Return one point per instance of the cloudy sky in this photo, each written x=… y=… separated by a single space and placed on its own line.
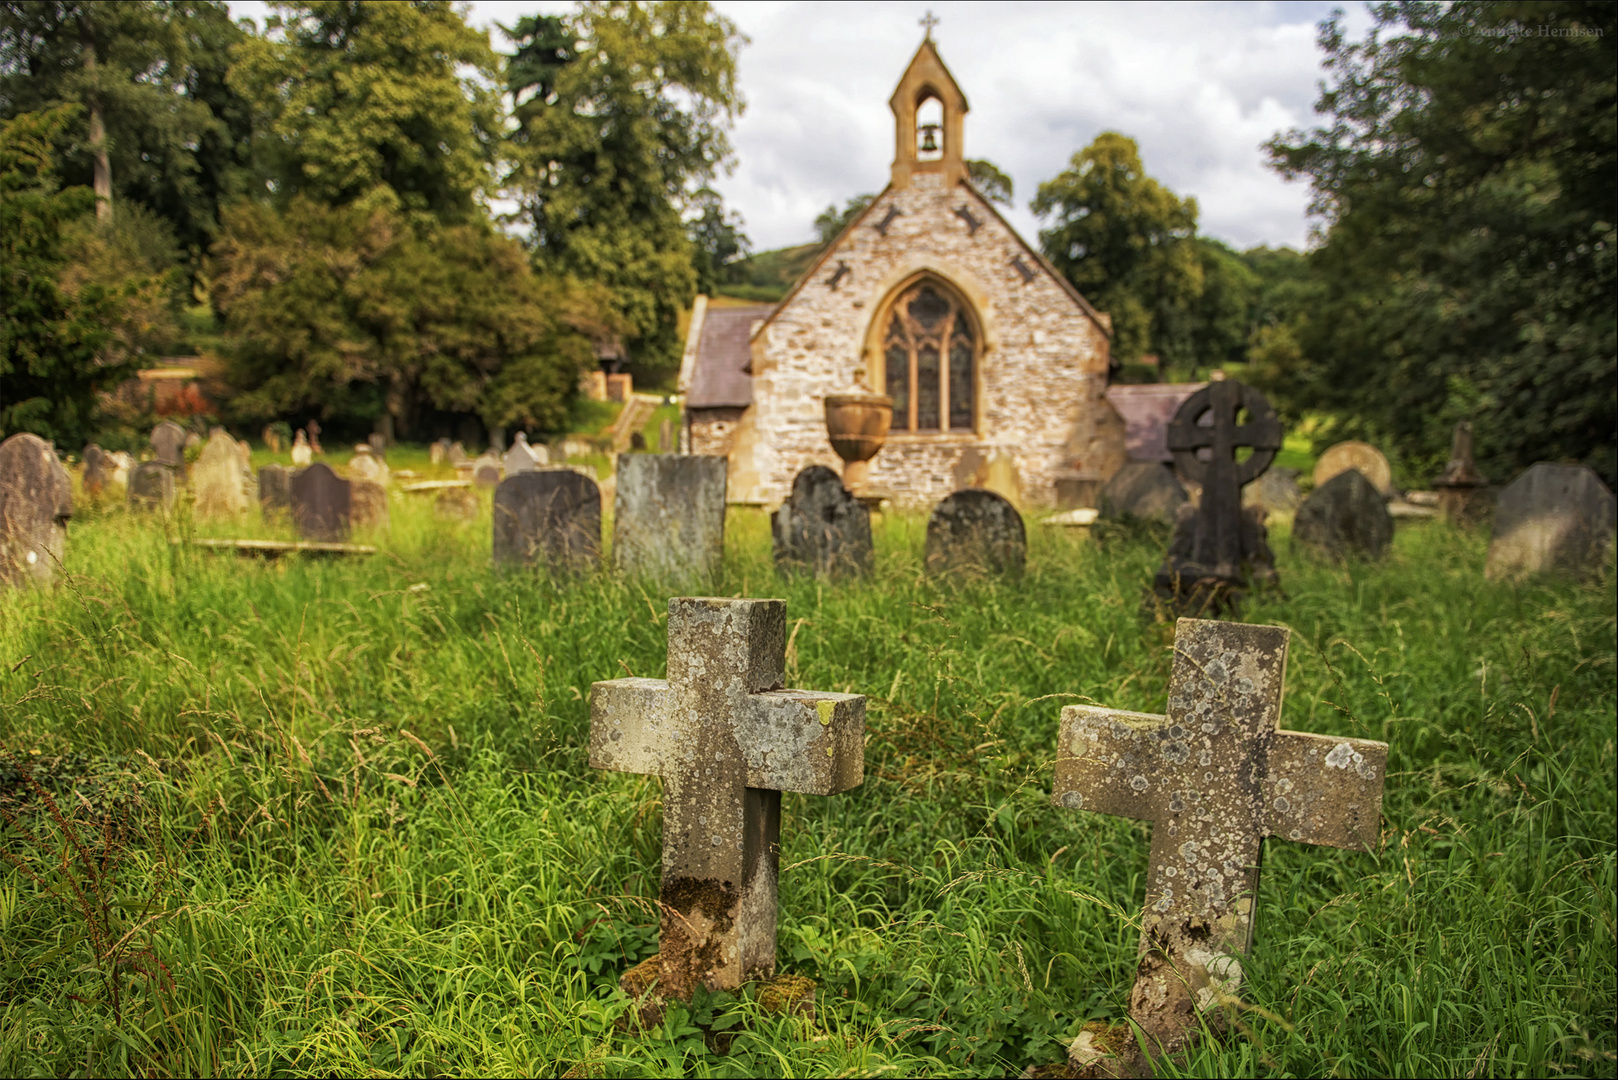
x=1200 y=86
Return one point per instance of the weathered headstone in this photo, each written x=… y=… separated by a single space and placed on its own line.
x=272 y=438
x=367 y=504
x=367 y=466
x=302 y=455
x=379 y=445
x=486 y=470
x=669 y=517
x=119 y=462
x=726 y=743
x=96 y=468
x=151 y=487
x=1360 y=456
x=1345 y=516
x=1147 y=490
x=551 y=516
x=217 y=478
x=1551 y=518
x=976 y=530
x=438 y=452
x=1215 y=777
x=1276 y=491
x=1463 y=492
x=321 y=503
x=36 y=501
x=1218 y=550
x=168 y=444
x=821 y=527
x=274 y=488
x=523 y=458
x=457 y=454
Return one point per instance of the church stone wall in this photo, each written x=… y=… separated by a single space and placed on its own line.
x=1040 y=381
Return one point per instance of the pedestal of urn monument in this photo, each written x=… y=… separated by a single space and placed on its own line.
x=857 y=425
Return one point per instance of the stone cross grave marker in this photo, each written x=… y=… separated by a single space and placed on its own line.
x=727 y=740
x=821 y=527
x=151 y=487
x=36 y=501
x=551 y=516
x=1215 y=777
x=977 y=530
x=168 y=443
x=1220 y=548
x=1551 y=518
x=321 y=503
x=669 y=517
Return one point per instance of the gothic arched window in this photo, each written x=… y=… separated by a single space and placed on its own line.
x=929 y=353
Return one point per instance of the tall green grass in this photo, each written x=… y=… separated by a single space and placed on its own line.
x=411 y=868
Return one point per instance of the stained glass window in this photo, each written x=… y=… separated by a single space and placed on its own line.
x=930 y=353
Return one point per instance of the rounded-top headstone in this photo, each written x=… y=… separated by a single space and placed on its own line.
x=36 y=501
x=821 y=526
x=976 y=530
x=217 y=478
x=1551 y=518
x=151 y=487
x=1361 y=456
x=96 y=467
x=366 y=466
x=168 y=443
x=321 y=503
x=1345 y=516
x=551 y=516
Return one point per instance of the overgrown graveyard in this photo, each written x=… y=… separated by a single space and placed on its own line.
x=336 y=815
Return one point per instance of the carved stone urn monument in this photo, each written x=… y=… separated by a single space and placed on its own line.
x=857 y=425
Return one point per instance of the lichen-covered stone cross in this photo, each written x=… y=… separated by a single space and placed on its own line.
x=1214 y=777
x=727 y=740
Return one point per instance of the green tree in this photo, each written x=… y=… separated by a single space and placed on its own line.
x=386 y=105
x=52 y=335
x=831 y=222
x=991 y=183
x=1464 y=176
x=1126 y=242
x=623 y=112
x=718 y=241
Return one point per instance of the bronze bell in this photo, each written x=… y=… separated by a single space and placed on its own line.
x=929 y=138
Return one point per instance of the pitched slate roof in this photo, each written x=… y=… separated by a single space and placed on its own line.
x=719 y=378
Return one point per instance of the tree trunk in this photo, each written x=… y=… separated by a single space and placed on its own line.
x=98 y=130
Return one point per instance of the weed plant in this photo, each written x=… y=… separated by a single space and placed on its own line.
x=365 y=837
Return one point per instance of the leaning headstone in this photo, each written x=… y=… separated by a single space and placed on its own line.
x=96 y=467
x=669 y=517
x=321 y=503
x=367 y=504
x=36 y=501
x=151 y=487
x=1551 y=518
x=274 y=488
x=726 y=743
x=1346 y=516
x=1276 y=491
x=523 y=458
x=1360 y=456
x=551 y=516
x=976 y=530
x=1142 y=489
x=168 y=444
x=1215 y=777
x=302 y=455
x=821 y=527
x=217 y=478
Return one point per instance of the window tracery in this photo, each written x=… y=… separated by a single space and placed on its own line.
x=929 y=351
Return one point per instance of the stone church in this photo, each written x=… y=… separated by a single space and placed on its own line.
x=996 y=365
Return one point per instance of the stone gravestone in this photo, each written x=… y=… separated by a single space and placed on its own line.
x=313 y=428
x=1142 y=489
x=118 y=464
x=669 y=517
x=553 y=516
x=821 y=527
x=486 y=470
x=36 y=501
x=217 y=478
x=321 y=503
x=523 y=458
x=1345 y=516
x=378 y=443
x=274 y=488
x=271 y=438
x=726 y=743
x=367 y=505
x=1360 y=456
x=438 y=452
x=301 y=454
x=168 y=443
x=97 y=464
x=1463 y=492
x=367 y=466
x=457 y=454
x=976 y=530
x=1215 y=777
x=1218 y=549
x=151 y=487
x=1551 y=518
x=1276 y=491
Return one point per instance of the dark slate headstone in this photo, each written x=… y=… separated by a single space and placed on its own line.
x=1551 y=518
x=1345 y=516
x=97 y=467
x=1142 y=489
x=821 y=527
x=151 y=487
x=976 y=530
x=669 y=517
x=551 y=516
x=36 y=501
x=275 y=488
x=321 y=503
x=168 y=443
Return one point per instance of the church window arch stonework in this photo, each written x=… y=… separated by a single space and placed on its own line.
x=931 y=343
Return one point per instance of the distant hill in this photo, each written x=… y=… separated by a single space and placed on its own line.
x=765 y=276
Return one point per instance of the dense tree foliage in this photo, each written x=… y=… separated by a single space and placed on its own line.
x=991 y=183
x=1465 y=174
x=622 y=115
x=830 y=222
x=718 y=240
